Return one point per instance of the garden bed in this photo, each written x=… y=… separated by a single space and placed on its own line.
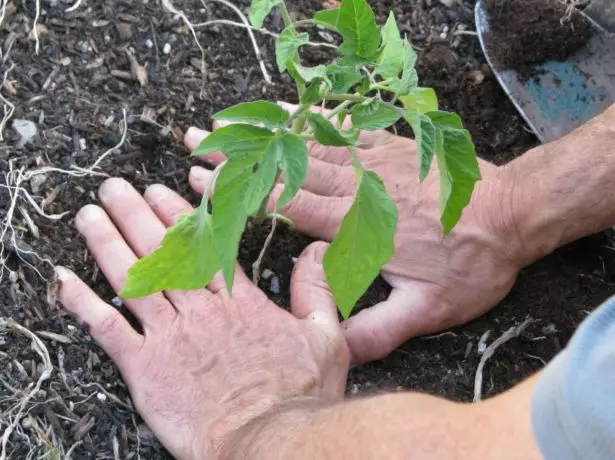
x=75 y=90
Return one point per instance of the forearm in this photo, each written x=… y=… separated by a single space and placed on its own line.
x=564 y=190
x=393 y=426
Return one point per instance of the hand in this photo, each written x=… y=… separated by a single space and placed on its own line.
x=206 y=363
x=437 y=282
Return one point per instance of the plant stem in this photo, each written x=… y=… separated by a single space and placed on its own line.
x=339 y=108
x=357 y=98
x=288 y=22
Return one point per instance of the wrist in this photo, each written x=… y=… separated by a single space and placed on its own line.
x=562 y=191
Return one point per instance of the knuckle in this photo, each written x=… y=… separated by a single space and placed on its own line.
x=108 y=327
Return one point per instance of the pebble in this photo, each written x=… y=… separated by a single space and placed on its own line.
x=26 y=129
x=117 y=302
x=82 y=144
x=266 y=274
x=149 y=43
x=167 y=48
x=36 y=182
x=274 y=285
x=101 y=396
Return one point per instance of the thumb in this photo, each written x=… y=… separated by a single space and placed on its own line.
x=310 y=295
x=375 y=332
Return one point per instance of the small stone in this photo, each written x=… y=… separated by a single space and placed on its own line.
x=101 y=397
x=36 y=182
x=117 y=302
x=274 y=285
x=266 y=274
x=65 y=61
x=294 y=259
x=26 y=129
x=167 y=48
x=124 y=30
x=82 y=144
x=149 y=43
x=549 y=329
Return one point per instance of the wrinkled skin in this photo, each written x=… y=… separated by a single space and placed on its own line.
x=205 y=364
x=438 y=282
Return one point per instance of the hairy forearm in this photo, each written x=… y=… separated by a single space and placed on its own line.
x=564 y=190
x=392 y=426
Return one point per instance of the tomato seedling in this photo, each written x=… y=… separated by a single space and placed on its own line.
x=373 y=81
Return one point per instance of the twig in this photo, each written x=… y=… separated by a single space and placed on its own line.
x=257 y=50
x=256 y=266
x=37 y=15
x=39 y=347
x=511 y=333
x=74 y=7
x=9 y=107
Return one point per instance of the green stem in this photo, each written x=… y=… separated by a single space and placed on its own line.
x=357 y=98
x=285 y=15
x=311 y=22
x=281 y=218
x=339 y=108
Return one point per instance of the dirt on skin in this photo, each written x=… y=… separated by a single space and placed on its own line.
x=75 y=90
x=523 y=33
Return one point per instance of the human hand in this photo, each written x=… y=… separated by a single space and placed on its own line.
x=205 y=363
x=437 y=282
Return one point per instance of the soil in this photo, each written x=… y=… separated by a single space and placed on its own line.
x=524 y=33
x=74 y=91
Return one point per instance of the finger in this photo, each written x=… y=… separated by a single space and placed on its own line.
x=169 y=207
x=375 y=332
x=114 y=258
x=106 y=325
x=312 y=214
x=309 y=291
x=327 y=179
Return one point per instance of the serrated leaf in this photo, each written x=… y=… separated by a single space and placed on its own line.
x=343 y=77
x=186 y=259
x=260 y=9
x=363 y=244
x=421 y=99
x=374 y=115
x=390 y=61
x=287 y=45
x=293 y=161
x=235 y=140
x=458 y=167
x=307 y=74
x=328 y=18
x=357 y=25
x=425 y=137
x=327 y=134
x=268 y=113
x=409 y=78
x=242 y=185
x=311 y=94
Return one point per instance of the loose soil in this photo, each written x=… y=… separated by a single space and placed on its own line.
x=69 y=91
x=524 y=33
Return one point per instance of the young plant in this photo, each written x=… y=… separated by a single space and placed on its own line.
x=374 y=83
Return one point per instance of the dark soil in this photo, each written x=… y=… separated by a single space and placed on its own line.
x=523 y=33
x=71 y=90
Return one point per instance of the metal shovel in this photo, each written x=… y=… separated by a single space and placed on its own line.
x=560 y=95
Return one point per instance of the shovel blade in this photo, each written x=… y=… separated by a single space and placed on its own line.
x=561 y=95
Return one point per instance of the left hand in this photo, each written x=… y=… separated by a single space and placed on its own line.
x=206 y=364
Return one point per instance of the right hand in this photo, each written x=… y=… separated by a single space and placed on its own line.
x=437 y=282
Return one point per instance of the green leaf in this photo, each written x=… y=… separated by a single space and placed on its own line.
x=363 y=244
x=390 y=62
x=307 y=74
x=235 y=140
x=343 y=77
x=260 y=9
x=312 y=93
x=409 y=79
x=420 y=99
x=458 y=166
x=293 y=162
x=286 y=46
x=186 y=259
x=425 y=137
x=328 y=18
x=357 y=25
x=327 y=134
x=244 y=182
x=374 y=115
x=268 y=113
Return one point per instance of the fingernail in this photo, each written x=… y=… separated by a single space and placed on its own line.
x=194 y=136
x=156 y=193
x=90 y=213
x=112 y=187
x=63 y=274
x=200 y=174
